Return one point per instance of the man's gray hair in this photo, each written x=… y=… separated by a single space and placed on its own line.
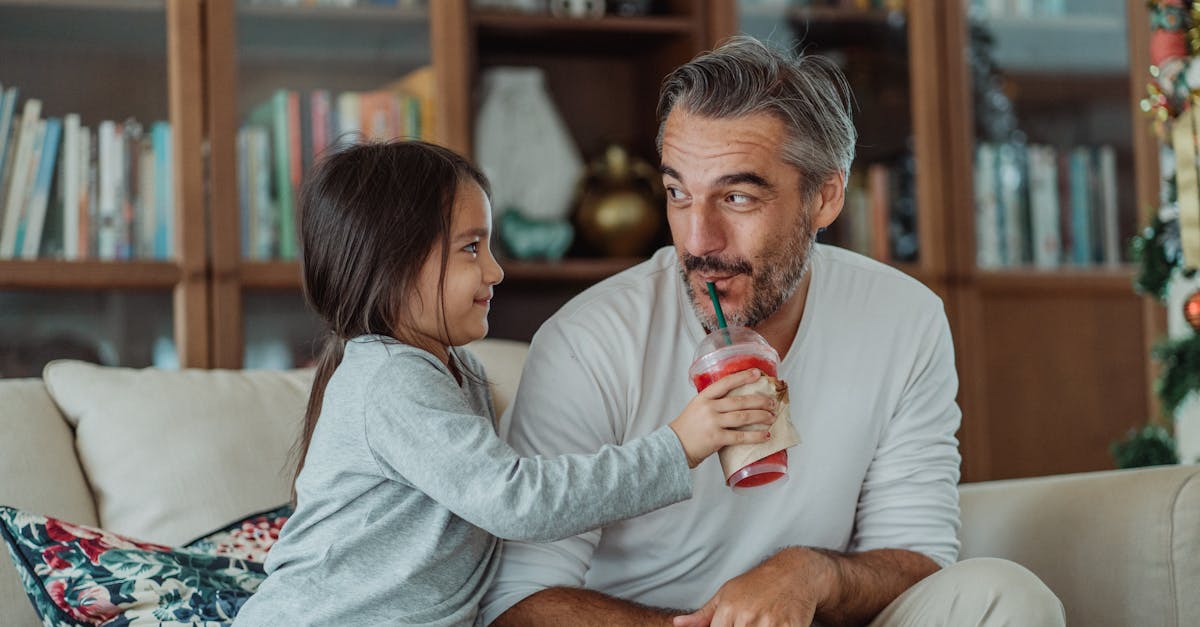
x=743 y=76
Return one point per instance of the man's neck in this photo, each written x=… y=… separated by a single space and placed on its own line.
x=780 y=329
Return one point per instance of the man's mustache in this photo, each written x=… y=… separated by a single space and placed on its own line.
x=716 y=265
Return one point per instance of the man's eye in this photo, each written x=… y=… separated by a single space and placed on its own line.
x=739 y=199
x=472 y=248
x=674 y=193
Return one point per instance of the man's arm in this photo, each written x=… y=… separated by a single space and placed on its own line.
x=799 y=584
x=579 y=607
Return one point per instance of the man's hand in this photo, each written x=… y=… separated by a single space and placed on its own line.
x=768 y=595
x=800 y=584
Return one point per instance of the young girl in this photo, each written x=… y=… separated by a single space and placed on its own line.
x=403 y=485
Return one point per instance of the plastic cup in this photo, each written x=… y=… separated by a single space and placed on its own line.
x=724 y=352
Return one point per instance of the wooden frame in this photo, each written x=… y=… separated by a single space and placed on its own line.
x=186 y=95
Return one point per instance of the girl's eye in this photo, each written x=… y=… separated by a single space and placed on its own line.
x=472 y=248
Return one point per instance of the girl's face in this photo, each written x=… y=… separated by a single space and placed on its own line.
x=471 y=271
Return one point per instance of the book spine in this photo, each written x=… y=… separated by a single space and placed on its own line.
x=283 y=184
x=41 y=189
x=69 y=186
x=29 y=174
x=164 y=191
x=108 y=175
x=16 y=180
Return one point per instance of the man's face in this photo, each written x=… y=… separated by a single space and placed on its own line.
x=736 y=214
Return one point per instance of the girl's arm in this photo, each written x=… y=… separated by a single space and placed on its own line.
x=421 y=431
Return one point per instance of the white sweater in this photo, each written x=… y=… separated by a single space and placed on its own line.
x=872 y=385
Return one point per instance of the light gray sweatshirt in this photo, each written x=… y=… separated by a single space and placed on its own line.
x=406 y=487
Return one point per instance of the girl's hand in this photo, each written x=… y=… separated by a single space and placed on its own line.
x=711 y=420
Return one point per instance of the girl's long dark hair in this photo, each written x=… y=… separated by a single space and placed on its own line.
x=370 y=216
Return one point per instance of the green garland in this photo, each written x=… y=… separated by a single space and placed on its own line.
x=1157 y=258
x=1152 y=445
x=1180 y=376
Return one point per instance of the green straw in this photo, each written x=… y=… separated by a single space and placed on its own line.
x=712 y=293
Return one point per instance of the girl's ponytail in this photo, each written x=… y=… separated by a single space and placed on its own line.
x=331 y=356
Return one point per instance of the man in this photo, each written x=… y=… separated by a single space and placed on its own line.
x=755 y=150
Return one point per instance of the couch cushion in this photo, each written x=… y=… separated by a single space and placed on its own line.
x=249 y=538
x=172 y=454
x=77 y=574
x=38 y=472
x=503 y=360
x=1118 y=547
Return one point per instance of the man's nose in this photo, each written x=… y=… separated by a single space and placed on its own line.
x=706 y=232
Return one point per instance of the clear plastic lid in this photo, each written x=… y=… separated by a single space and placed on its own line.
x=723 y=345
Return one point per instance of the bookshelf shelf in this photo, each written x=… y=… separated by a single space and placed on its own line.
x=566 y=270
x=1117 y=280
x=276 y=275
x=88 y=5
x=517 y=23
x=88 y=275
x=346 y=16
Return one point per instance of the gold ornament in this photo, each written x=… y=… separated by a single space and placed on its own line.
x=620 y=207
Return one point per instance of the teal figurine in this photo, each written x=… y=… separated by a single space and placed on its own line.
x=527 y=239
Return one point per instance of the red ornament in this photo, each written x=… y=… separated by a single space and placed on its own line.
x=1191 y=310
x=1167 y=44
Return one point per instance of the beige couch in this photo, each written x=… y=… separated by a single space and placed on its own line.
x=168 y=456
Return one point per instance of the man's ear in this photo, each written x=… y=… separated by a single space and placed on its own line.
x=831 y=196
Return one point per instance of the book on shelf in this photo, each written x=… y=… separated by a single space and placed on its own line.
x=68 y=192
x=16 y=177
x=282 y=137
x=1046 y=206
x=877 y=213
x=29 y=238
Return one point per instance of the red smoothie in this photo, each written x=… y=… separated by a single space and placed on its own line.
x=753 y=474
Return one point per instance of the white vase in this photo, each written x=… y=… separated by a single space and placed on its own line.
x=524 y=147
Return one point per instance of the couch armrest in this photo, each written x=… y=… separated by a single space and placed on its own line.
x=1118 y=547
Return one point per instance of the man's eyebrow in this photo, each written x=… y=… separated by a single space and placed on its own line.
x=748 y=178
x=479 y=231
x=736 y=178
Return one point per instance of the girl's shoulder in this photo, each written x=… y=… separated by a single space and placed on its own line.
x=382 y=355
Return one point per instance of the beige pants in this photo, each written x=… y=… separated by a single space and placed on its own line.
x=983 y=591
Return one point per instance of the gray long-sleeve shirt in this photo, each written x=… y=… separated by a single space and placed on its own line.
x=406 y=486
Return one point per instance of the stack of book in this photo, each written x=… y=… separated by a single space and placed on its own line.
x=878 y=217
x=72 y=192
x=1044 y=206
x=283 y=136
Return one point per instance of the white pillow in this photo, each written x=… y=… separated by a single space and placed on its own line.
x=172 y=455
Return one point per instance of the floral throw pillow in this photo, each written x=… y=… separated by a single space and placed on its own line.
x=249 y=538
x=77 y=575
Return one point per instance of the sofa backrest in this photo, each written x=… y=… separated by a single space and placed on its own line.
x=164 y=456
x=1119 y=547
x=39 y=473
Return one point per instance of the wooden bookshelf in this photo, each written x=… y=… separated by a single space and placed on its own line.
x=88 y=275
x=540 y=25
x=567 y=270
x=1015 y=329
x=1069 y=280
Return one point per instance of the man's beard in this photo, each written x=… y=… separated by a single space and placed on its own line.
x=773 y=280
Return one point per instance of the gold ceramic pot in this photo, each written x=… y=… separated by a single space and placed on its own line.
x=620 y=206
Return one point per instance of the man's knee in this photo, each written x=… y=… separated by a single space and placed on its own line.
x=1005 y=592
